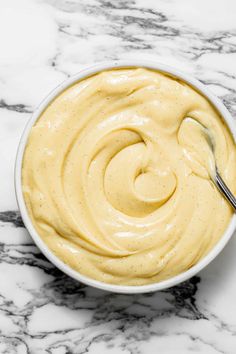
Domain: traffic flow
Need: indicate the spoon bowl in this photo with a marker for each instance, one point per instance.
(214, 172)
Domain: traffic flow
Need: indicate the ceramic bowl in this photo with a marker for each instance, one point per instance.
(19, 194)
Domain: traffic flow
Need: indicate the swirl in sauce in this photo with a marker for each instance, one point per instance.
(117, 182)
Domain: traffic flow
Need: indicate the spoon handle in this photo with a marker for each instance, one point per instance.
(225, 190)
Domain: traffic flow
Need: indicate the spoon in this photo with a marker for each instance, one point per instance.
(216, 177)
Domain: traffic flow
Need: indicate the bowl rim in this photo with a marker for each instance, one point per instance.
(82, 74)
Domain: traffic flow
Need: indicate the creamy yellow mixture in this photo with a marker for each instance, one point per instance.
(117, 181)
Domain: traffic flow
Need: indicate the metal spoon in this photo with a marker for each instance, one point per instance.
(216, 177)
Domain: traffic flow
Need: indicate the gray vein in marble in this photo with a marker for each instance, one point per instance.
(12, 216)
(20, 108)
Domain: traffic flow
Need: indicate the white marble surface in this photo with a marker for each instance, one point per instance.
(41, 44)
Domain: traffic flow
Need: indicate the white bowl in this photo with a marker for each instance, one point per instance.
(18, 186)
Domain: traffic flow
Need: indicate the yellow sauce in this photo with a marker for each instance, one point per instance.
(117, 182)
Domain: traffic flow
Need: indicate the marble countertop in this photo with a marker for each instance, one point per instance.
(41, 309)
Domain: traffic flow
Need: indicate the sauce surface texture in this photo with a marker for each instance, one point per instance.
(117, 182)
